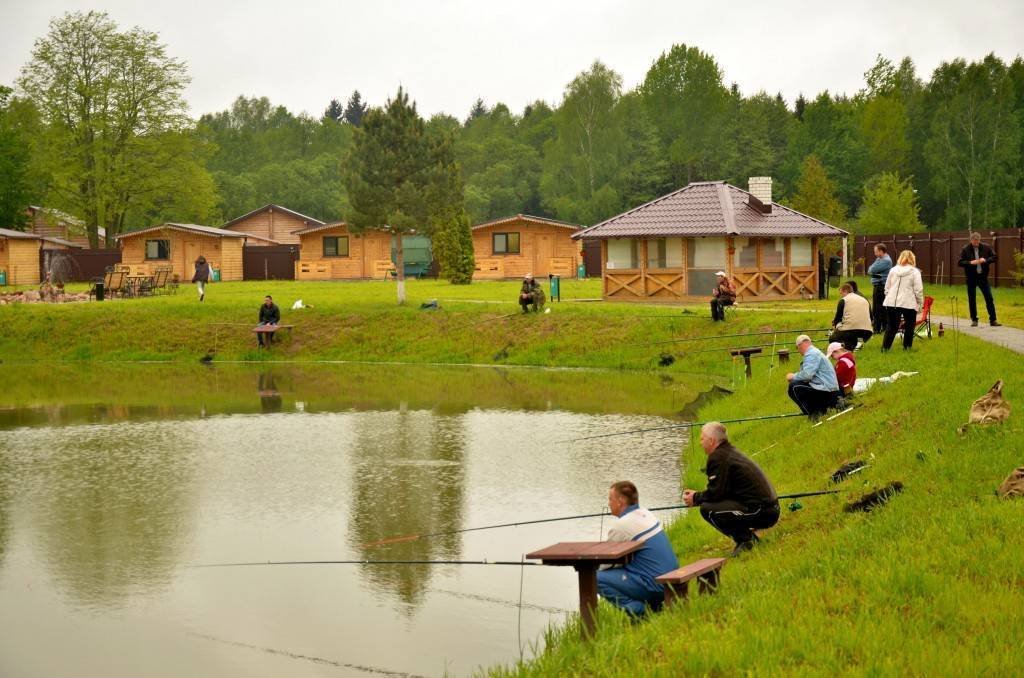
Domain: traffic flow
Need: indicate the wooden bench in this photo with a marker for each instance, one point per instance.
(677, 582)
(269, 329)
(746, 353)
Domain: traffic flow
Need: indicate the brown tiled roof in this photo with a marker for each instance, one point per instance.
(544, 221)
(707, 208)
(194, 228)
(295, 214)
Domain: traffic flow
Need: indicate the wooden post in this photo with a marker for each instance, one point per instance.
(588, 598)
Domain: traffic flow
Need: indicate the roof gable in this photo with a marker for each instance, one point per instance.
(708, 208)
(540, 221)
(192, 228)
(310, 220)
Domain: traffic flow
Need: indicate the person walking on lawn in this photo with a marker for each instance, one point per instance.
(904, 299)
(976, 258)
(270, 314)
(815, 388)
(739, 497)
(879, 271)
(202, 276)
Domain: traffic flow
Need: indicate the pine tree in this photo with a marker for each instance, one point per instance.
(334, 110)
(479, 110)
(355, 109)
(816, 194)
(449, 223)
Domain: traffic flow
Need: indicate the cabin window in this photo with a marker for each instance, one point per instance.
(773, 253)
(705, 257)
(623, 253)
(800, 252)
(505, 243)
(336, 246)
(665, 253)
(158, 249)
(745, 253)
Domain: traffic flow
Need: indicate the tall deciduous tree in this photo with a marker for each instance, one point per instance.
(816, 194)
(890, 206)
(116, 136)
(15, 191)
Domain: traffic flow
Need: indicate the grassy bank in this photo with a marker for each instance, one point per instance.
(927, 585)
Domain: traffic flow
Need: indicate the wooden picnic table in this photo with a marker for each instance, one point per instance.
(585, 557)
(270, 329)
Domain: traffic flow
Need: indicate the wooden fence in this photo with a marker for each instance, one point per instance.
(938, 253)
(76, 265)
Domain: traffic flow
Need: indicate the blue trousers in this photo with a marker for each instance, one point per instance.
(628, 591)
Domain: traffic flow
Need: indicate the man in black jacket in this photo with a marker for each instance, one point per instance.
(270, 314)
(975, 258)
(739, 498)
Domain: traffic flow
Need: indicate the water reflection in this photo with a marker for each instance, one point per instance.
(266, 389)
(409, 476)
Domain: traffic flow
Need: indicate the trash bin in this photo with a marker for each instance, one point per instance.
(215, 275)
(99, 291)
(556, 287)
(581, 271)
(3, 277)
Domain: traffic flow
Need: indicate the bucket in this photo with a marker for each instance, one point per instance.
(215, 275)
(3, 277)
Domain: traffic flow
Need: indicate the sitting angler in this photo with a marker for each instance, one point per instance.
(814, 389)
(632, 586)
(853, 318)
(531, 294)
(739, 497)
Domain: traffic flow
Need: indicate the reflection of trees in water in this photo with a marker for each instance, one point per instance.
(408, 479)
(114, 509)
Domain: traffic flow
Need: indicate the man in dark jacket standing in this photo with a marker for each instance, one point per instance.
(739, 498)
(270, 314)
(975, 258)
(879, 271)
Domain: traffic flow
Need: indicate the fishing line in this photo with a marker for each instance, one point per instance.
(685, 425)
(728, 336)
(365, 562)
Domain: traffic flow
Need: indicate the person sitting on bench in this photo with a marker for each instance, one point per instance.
(853, 318)
(815, 388)
(739, 497)
(724, 295)
(270, 314)
(632, 586)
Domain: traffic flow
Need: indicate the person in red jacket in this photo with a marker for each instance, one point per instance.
(846, 366)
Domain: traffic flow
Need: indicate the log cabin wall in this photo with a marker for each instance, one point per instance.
(222, 253)
(543, 250)
(369, 256)
(270, 223)
(20, 258)
(683, 269)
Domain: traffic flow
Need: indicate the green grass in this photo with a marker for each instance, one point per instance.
(927, 585)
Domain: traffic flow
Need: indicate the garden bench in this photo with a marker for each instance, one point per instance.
(677, 582)
(268, 329)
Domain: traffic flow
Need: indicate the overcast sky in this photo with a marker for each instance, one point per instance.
(302, 53)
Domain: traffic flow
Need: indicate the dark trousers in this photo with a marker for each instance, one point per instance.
(878, 319)
(629, 592)
(265, 338)
(848, 338)
(895, 314)
(718, 308)
(737, 521)
(811, 401)
(980, 283)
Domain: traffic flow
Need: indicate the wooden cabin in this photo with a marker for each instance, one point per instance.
(332, 252)
(19, 257)
(179, 245)
(59, 229)
(271, 225)
(514, 246)
(671, 248)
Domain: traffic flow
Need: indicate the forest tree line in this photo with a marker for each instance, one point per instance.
(102, 131)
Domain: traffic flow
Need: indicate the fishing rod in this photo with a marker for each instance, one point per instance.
(729, 336)
(414, 537)
(685, 425)
(364, 562)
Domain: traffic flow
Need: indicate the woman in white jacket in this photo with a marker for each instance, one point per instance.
(904, 297)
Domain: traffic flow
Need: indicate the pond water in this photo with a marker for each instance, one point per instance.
(115, 481)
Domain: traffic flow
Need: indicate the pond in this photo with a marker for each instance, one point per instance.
(116, 481)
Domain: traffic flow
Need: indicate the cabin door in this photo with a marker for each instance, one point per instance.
(543, 250)
(192, 252)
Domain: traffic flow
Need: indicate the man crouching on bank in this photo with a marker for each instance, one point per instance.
(632, 586)
(739, 498)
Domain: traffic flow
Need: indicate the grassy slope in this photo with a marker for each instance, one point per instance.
(929, 584)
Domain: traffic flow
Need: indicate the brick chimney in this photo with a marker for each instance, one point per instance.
(761, 194)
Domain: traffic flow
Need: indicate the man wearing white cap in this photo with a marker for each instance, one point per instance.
(724, 295)
(846, 366)
(815, 388)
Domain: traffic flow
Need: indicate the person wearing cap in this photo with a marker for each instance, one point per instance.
(724, 295)
(975, 259)
(846, 366)
(815, 388)
(531, 294)
(853, 318)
